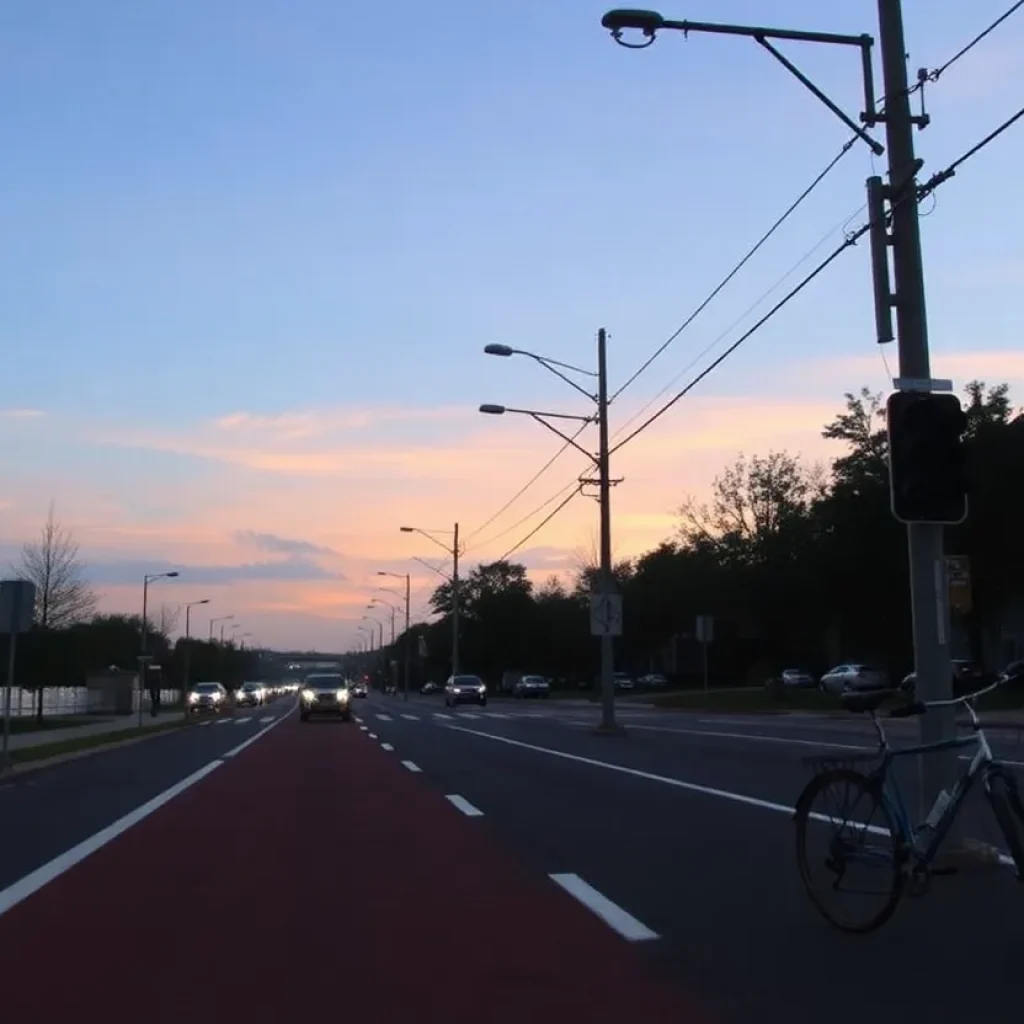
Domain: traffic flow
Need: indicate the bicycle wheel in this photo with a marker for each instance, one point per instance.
(858, 831)
(1004, 798)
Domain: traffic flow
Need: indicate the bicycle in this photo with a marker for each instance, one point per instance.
(908, 853)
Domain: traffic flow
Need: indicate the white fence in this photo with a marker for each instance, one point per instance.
(70, 700)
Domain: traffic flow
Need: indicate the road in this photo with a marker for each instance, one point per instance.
(424, 864)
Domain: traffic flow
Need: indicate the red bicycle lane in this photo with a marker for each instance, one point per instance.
(309, 877)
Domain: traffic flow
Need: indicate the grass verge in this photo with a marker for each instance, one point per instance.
(45, 751)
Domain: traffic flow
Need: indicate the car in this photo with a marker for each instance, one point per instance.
(465, 690)
(531, 686)
(430, 687)
(325, 694)
(358, 689)
(250, 695)
(207, 697)
(854, 677)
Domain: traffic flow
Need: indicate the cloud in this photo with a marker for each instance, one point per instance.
(280, 545)
(21, 414)
(287, 570)
(291, 426)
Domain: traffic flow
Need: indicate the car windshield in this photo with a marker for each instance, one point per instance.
(325, 682)
(206, 688)
(466, 680)
(534, 679)
(250, 686)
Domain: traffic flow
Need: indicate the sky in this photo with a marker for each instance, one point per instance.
(252, 252)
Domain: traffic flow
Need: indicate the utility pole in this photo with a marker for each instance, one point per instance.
(929, 596)
(606, 580)
(408, 641)
(455, 603)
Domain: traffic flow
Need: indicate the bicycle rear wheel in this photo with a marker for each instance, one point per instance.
(1004, 797)
(858, 831)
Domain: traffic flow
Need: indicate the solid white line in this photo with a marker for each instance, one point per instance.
(35, 880)
(464, 805)
(440, 714)
(787, 740)
(412, 766)
(612, 914)
(386, 746)
(372, 735)
(411, 718)
(253, 739)
(384, 718)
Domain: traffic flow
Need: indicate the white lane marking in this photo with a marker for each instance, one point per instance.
(384, 718)
(202, 724)
(372, 735)
(411, 718)
(363, 728)
(495, 714)
(464, 805)
(266, 718)
(35, 880)
(223, 721)
(692, 787)
(612, 914)
(252, 739)
(242, 721)
(441, 714)
(466, 714)
(386, 746)
(359, 721)
(412, 766)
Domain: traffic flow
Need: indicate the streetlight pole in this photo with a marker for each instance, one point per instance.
(453, 551)
(213, 622)
(408, 639)
(143, 656)
(925, 541)
(187, 679)
(606, 590)
(391, 608)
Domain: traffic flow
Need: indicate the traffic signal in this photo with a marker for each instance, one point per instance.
(927, 463)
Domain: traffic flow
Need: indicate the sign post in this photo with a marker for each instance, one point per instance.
(705, 634)
(17, 613)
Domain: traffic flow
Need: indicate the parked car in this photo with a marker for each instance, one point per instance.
(207, 697)
(465, 690)
(624, 681)
(797, 679)
(531, 686)
(653, 680)
(850, 676)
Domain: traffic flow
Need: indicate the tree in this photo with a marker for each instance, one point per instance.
(167, 620)
(52, 563)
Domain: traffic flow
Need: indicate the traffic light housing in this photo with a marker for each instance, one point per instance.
(927, 460)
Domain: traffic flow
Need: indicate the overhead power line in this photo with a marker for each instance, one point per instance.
(529, 515)
(964, 50)
(540, 526)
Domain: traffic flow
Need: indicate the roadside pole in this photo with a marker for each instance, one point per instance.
(17, 613)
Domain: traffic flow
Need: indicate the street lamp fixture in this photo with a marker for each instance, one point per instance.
(186, 673)
(143, 657)
(214, 621)
(407, 655)
(493, 410)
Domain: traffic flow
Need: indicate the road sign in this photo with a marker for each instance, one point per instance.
(422, 646)
(17, 606)
(705, 628)
(958, 572)
(606, 614)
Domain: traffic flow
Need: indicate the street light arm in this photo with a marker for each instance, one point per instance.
(552, 364)
(539, 417)
(423, 533)
(434, 568)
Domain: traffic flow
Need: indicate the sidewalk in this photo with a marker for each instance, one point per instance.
(46, 737)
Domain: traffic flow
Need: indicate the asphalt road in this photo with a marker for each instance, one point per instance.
(427, 863)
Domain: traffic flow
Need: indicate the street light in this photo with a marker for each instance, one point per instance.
(453, 553)
(380, 626)
(408, 638)
(213, 622)
(143, 656)
(606, 589)
(386, 604)
(189, 605)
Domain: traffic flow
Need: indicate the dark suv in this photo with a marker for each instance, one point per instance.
(325, 695)
(465, 690)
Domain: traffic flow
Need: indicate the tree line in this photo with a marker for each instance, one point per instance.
(70, 641)
(799, 565)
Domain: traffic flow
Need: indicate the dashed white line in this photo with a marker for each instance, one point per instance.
(464, 805)
(266, 718)
(412, 766)
(242, 721)
(372, 735)
(223, 721)
(201, 724)
(466, 714)
(612, 914)
(384, 718)
(363, 728)
(495, 714)
(441, 714)
(386, 746)
(35, 880)
(411, 718)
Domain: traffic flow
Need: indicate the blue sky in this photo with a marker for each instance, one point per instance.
(215, 207)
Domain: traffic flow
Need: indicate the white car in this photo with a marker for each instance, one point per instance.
(844, 678)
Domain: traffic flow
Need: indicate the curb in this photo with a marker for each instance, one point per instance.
(26, 767)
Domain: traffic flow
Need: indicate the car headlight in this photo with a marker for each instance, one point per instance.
(215, 696)
(193, 697)
(308, 695)
(342, 696)
(481, 688)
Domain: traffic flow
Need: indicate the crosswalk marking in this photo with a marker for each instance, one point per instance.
(384, 718)
(411, 718)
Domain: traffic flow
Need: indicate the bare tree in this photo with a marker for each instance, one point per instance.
(167, 621)
(52, 563)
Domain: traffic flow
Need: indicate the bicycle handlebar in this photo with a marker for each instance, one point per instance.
(919, 707)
